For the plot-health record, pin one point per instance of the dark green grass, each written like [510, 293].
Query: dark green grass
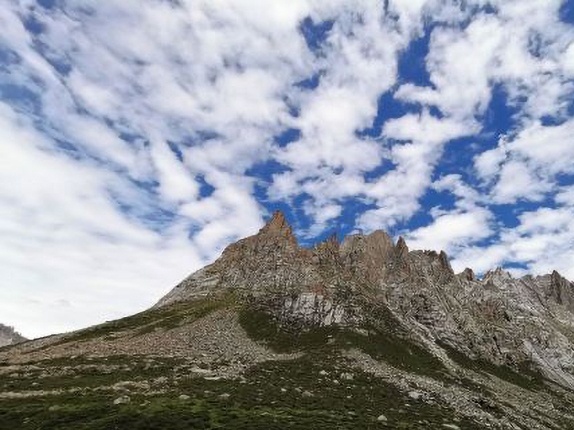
[381, 344]
[271, 395]
[85, 373]
[257, 403]
[522, 375]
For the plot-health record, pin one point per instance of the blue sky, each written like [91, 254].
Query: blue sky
[139, 138]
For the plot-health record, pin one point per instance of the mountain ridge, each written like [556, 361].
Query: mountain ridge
[319, 285]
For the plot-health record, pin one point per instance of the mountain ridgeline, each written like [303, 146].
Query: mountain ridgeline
[362, 333]
[503, 320]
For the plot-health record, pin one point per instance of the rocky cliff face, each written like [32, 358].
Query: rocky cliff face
[8, 336]
[506, 321]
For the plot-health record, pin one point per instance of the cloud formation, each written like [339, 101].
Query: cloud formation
[140, 137]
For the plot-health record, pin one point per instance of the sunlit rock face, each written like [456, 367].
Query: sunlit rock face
[497, 318]
[8, 336]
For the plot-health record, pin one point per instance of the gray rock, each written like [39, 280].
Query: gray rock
[122, 400]
[382, 418]
[347, 376]
[415, 395]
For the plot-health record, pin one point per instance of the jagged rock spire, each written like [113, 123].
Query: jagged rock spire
[277, 224]
[401, 248]
[561, 290]
[332, 242]
[444, 262]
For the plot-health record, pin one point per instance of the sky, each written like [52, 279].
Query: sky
[138, 138]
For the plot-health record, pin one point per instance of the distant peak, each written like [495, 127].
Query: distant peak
[556, 276]
[498, 274]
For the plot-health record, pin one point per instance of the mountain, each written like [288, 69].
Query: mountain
[8, 336]
[358, 334]
[506, 321]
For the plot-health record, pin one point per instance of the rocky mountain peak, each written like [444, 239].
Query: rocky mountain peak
[277, 225]
[497, 276]
[376, 247]
[334, 282]
[561, 290]
[402, 250]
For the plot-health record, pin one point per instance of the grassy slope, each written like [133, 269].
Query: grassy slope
[290, 394]
[147, 321]
[305, 393]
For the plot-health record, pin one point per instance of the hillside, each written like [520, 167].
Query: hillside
[362, 334]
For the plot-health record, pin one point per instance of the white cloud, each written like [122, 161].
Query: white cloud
[455, 230]
[99, 213]
[176, 182]
[467, 197]
[525, 166]
[459, 59]
[566, 196]
[488, 163]
[449, 231]
[568, 60]
[517, 181]
[64, 239]
[480, 259]
[542, 242]
[550, 147]
[398, 191]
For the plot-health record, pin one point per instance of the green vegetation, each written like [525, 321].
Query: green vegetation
[179, 313]
[381, 344]
[321, 389]
[305, 393]
[262, 327]
[523, 376]
[88, 373]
